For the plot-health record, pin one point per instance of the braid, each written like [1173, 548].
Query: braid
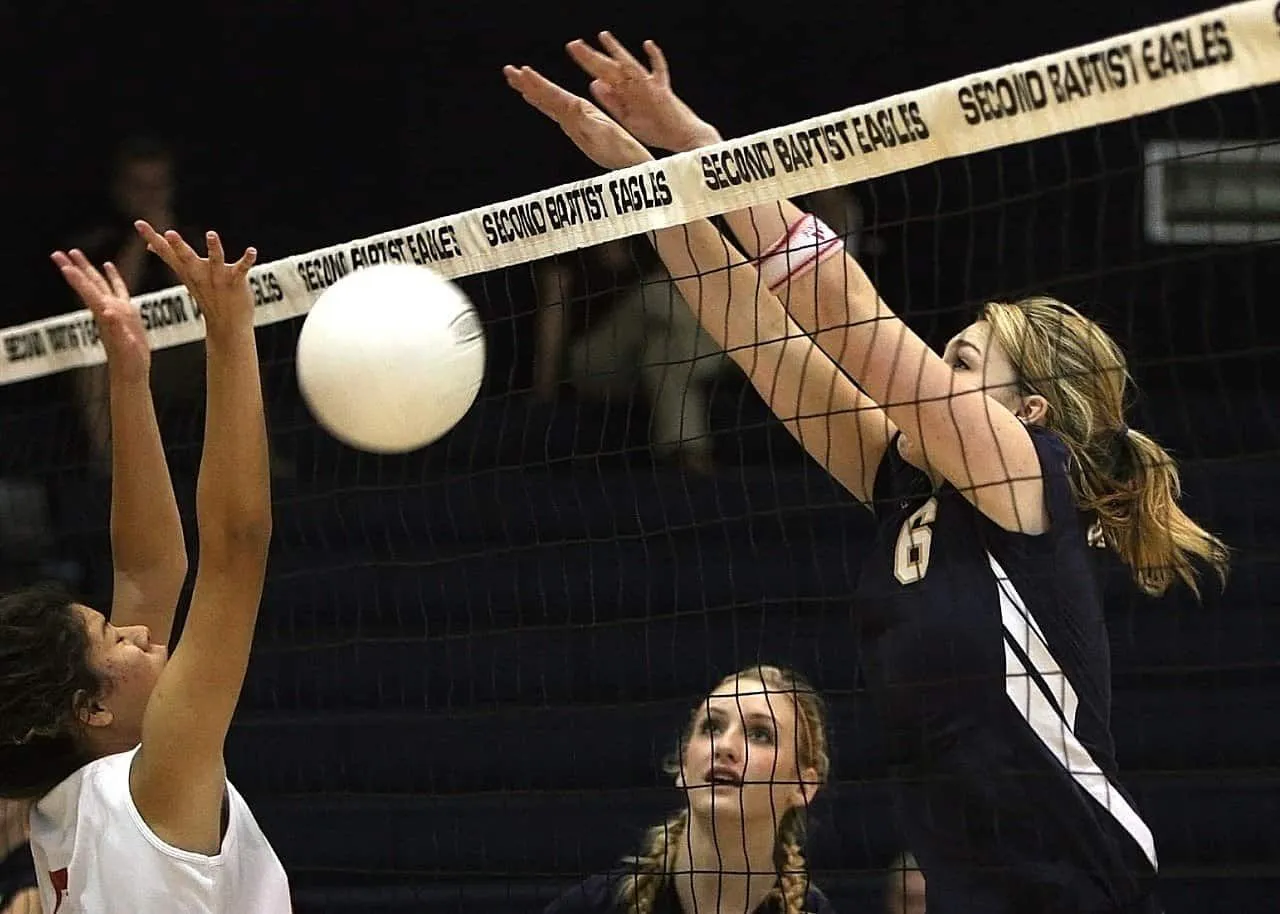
[1120, 475]
[649, 870]
[651, 867]
[793, 870]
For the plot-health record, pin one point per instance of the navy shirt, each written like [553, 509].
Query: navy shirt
[988, 653]
[599, 895]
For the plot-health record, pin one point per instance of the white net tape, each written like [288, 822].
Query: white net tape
[1225, 50]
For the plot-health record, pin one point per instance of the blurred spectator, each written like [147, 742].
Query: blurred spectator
[905, 891]
[18, 893]
[142, 185]
[609, 319]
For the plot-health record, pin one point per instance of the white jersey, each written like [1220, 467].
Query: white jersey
[94, 853]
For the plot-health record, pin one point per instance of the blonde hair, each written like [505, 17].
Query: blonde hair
[1120, 476]
[650, 869]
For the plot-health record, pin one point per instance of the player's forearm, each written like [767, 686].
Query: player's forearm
[721, 286]
[233, 494]
[826, 300]
[836, 304]
[146, 530]
[802, 387]
[756, 227]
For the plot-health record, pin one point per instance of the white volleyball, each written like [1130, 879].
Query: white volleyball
[390, 358]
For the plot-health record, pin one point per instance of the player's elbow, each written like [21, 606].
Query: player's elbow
[252, 532]
[244, 537]
[162, 567]
[171, 572]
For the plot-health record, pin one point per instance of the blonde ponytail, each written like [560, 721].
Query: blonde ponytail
[1135, 501]
[1121, 476]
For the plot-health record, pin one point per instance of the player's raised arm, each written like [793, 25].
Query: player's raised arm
[148, 554]
[960, 431]
[178, 779]
[641, 99]
[834, 421]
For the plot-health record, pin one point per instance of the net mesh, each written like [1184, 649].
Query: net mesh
[472, 660]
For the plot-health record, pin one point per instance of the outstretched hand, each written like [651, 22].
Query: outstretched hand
[640, 98]
[119, 322]
[591, 130]
[221, 289]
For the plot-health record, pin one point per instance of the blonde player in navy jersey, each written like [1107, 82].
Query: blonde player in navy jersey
[751, 760]
[991, 469]
[120, 745]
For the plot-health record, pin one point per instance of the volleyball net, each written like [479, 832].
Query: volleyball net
[472, 660]
[1150, 70]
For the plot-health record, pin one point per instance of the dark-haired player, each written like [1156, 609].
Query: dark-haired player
[120, 745]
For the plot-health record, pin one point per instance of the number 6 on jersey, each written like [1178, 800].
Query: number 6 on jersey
[911, 555]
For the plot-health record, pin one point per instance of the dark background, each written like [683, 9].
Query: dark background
[468, 668]
[305, 124]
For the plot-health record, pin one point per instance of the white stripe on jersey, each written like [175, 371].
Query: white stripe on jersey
[1055, 725]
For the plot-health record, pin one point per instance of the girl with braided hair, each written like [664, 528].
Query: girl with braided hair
[750, 761]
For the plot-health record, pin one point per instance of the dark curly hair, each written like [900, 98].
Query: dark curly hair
[45, 679]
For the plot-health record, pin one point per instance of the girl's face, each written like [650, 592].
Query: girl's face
[741, 760]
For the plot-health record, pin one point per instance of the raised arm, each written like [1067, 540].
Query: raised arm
[93, 383]
[178, 778]
[642, 101]
[148, 553]
[965, 435]
[838, 425]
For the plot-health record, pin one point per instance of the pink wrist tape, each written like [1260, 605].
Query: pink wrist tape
[805, 245]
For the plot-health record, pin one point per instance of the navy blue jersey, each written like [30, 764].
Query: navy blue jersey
[599, 895]
[987, 652]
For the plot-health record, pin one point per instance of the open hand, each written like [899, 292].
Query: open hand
[221, 289]
[639, 97]
[591, 130]
[119, 322]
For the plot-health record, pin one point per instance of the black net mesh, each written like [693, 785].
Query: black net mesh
[473, 659]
